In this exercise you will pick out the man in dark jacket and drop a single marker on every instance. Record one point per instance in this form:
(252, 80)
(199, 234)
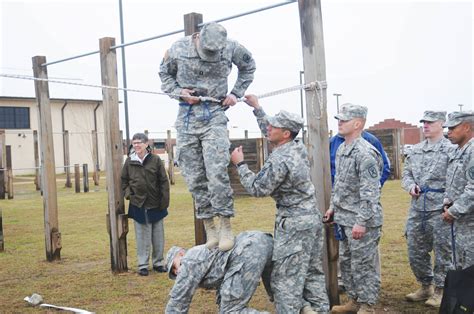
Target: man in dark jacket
(145, 184)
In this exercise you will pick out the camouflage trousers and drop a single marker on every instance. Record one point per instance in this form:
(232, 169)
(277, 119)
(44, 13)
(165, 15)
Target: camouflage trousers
(203, 157)
(356, 258)
(297, 277)
(426, 233)
(247, 262)
(464, 243)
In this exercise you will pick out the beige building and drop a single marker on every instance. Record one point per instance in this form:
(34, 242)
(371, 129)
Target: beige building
(79, 117)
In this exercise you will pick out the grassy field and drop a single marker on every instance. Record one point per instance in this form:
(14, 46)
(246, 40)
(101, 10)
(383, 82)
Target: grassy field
(83, 278)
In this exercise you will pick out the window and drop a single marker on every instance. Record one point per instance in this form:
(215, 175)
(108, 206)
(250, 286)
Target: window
(14, 118)
(159, 145)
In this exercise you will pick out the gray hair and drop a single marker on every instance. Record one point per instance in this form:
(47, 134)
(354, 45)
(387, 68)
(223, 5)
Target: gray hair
(140, 136)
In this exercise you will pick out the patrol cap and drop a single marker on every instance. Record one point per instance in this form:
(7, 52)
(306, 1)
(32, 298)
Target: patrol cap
(457, 117)
(286, 120)
(169, 259)
(431, 116)
(351, 111)
(212, 39)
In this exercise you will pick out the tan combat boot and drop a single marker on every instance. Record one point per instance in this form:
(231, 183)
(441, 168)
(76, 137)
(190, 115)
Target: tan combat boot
(211, 233)
(226, 239)
(435, 299)
(366, 308)
(350, 307)
(424, 293)
(307, 310)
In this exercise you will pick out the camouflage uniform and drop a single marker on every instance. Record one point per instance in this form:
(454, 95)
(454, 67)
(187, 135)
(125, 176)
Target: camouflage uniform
(235, 274)
(202, 141)
(426, 167)
(297, 277)
(460, 191)
(355, 199)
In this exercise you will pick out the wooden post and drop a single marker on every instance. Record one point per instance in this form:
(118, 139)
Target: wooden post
(67, 159)
(48, 177)
(85, 174)
(169, 149)
(396, 133)
(117, 219)
(2, 246)
(318, 141)
(37, 163)
(8, 155)
(2, 164)
(95, 157)
(77, 178)
(191, 22)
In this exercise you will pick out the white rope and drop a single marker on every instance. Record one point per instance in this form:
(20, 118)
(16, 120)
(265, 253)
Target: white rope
(25, 77)
(317, 86)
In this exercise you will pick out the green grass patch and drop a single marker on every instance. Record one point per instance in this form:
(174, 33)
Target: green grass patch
(83, 277)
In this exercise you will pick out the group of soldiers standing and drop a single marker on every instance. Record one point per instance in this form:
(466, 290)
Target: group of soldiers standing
(438, 175)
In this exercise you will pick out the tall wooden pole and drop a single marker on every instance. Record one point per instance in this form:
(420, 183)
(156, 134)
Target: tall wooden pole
(37, 163)
(318, 140)
(117, 220)
(191, 22)
(48, 178)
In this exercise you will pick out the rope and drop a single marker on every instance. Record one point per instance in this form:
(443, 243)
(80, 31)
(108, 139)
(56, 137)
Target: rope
(317, 86)
(25, 77)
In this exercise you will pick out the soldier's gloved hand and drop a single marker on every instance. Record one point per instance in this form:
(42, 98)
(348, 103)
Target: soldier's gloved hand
(187, 96)
(252, 101)
(230, 100)
(415, 191)
(358, 232)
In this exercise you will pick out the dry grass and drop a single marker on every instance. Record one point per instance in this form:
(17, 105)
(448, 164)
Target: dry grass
(83, 278)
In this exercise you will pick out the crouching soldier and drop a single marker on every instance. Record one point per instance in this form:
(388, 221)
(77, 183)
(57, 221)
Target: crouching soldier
(235, 273)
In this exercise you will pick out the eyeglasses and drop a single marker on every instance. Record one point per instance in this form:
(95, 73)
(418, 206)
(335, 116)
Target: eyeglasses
(137, 143)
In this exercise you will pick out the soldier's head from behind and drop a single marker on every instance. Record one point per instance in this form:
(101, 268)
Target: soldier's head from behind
(351, 120)
(210, 42)
(433, 124)
(460, 127)
(283, 127)
(173, 260)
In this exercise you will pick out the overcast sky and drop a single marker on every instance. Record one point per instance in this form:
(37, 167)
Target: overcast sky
(398, 58)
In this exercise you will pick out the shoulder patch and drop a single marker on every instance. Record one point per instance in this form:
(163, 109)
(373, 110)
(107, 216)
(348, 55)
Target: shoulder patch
(369, 169)
(246, 57)
(470, 171)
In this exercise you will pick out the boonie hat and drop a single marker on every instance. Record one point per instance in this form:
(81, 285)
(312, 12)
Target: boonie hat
(431, 116)
(457, 117)
(212, 39)
(286, 120)
(351, 111)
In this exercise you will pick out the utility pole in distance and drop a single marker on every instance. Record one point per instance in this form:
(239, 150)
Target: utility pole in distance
(337, 100)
